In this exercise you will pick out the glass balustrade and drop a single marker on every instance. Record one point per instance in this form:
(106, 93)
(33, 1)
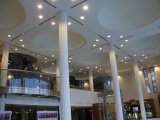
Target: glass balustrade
(29, 82)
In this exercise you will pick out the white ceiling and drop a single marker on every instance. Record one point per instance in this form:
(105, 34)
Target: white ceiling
(137, 21)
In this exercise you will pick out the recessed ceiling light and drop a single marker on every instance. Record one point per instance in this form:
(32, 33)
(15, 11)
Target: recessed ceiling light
(45, 58)
(125, 57)
(38, 55)
(134, 55)
(94, 45)
(96, 67)
(85, 7)
(69, 23)
(122, 45)
(87, 67)
(73, 0)
(22, 45)
(9, 36)
(20, 40)
(125, 62)
(142, 54)
(146, 57)
(70, 58)
(52, 55)
(141, 60)
(97, 40)
(121, 36)
(45, 61)
(40, 6)
(122, 60)
(126, 40)
(15, 49)
(82, 17)
(33, 54)
(53, 23)
(40, 16)
(36, 68)
(69, 61)
(53, 63)
(100, 48)
(108, 36)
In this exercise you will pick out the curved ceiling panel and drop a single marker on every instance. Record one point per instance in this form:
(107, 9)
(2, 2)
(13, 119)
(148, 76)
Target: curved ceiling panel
(49, 40)
(147, 43)
(121, 15)
(122, 68)
(94, 59)
(51, 70)
(155, 60)
(12, 13)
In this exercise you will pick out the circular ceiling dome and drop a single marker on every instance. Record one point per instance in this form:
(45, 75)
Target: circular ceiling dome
(94, 59)
(121, 68)
(51, 70)
(49, 40)
(147, 43)
(12, 13)
(121, 15)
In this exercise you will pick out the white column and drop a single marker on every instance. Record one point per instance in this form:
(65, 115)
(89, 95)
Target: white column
(64, 67)
(91, 80)
(4, 64)
(2, 102)
(140, 93)
(57, 76)
(118, 101)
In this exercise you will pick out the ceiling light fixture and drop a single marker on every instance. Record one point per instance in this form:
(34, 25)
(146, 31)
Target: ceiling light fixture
(121, 36)
(40, 16)
(69, 23)
(85, 7)
(134, 55)
(20, 40)
(70, 58)
(97, 40)
(126, 40)
(94, 45)
(100, 48)
(125, 57)
(146, 57)
(82, 17)
(53, 23)
(122, 60)
(122, 45)
(53, 63)
(52, 55)
(143, 55)
(141, 60)
(69, 61)
(40, 6)
(15, 49)
(125, 62)
(45, 58)
(96, 67)
(108, 36)
(9, 35)
(22, 45)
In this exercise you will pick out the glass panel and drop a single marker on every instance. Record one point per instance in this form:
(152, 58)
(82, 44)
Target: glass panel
(145, 72)
(153, 78)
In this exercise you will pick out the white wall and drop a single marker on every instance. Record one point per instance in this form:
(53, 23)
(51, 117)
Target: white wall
(129, 88)
(84, 98)
(79, 98)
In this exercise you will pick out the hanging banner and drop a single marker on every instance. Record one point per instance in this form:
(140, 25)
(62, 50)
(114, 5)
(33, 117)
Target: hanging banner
(47, 115)
(5, 115)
